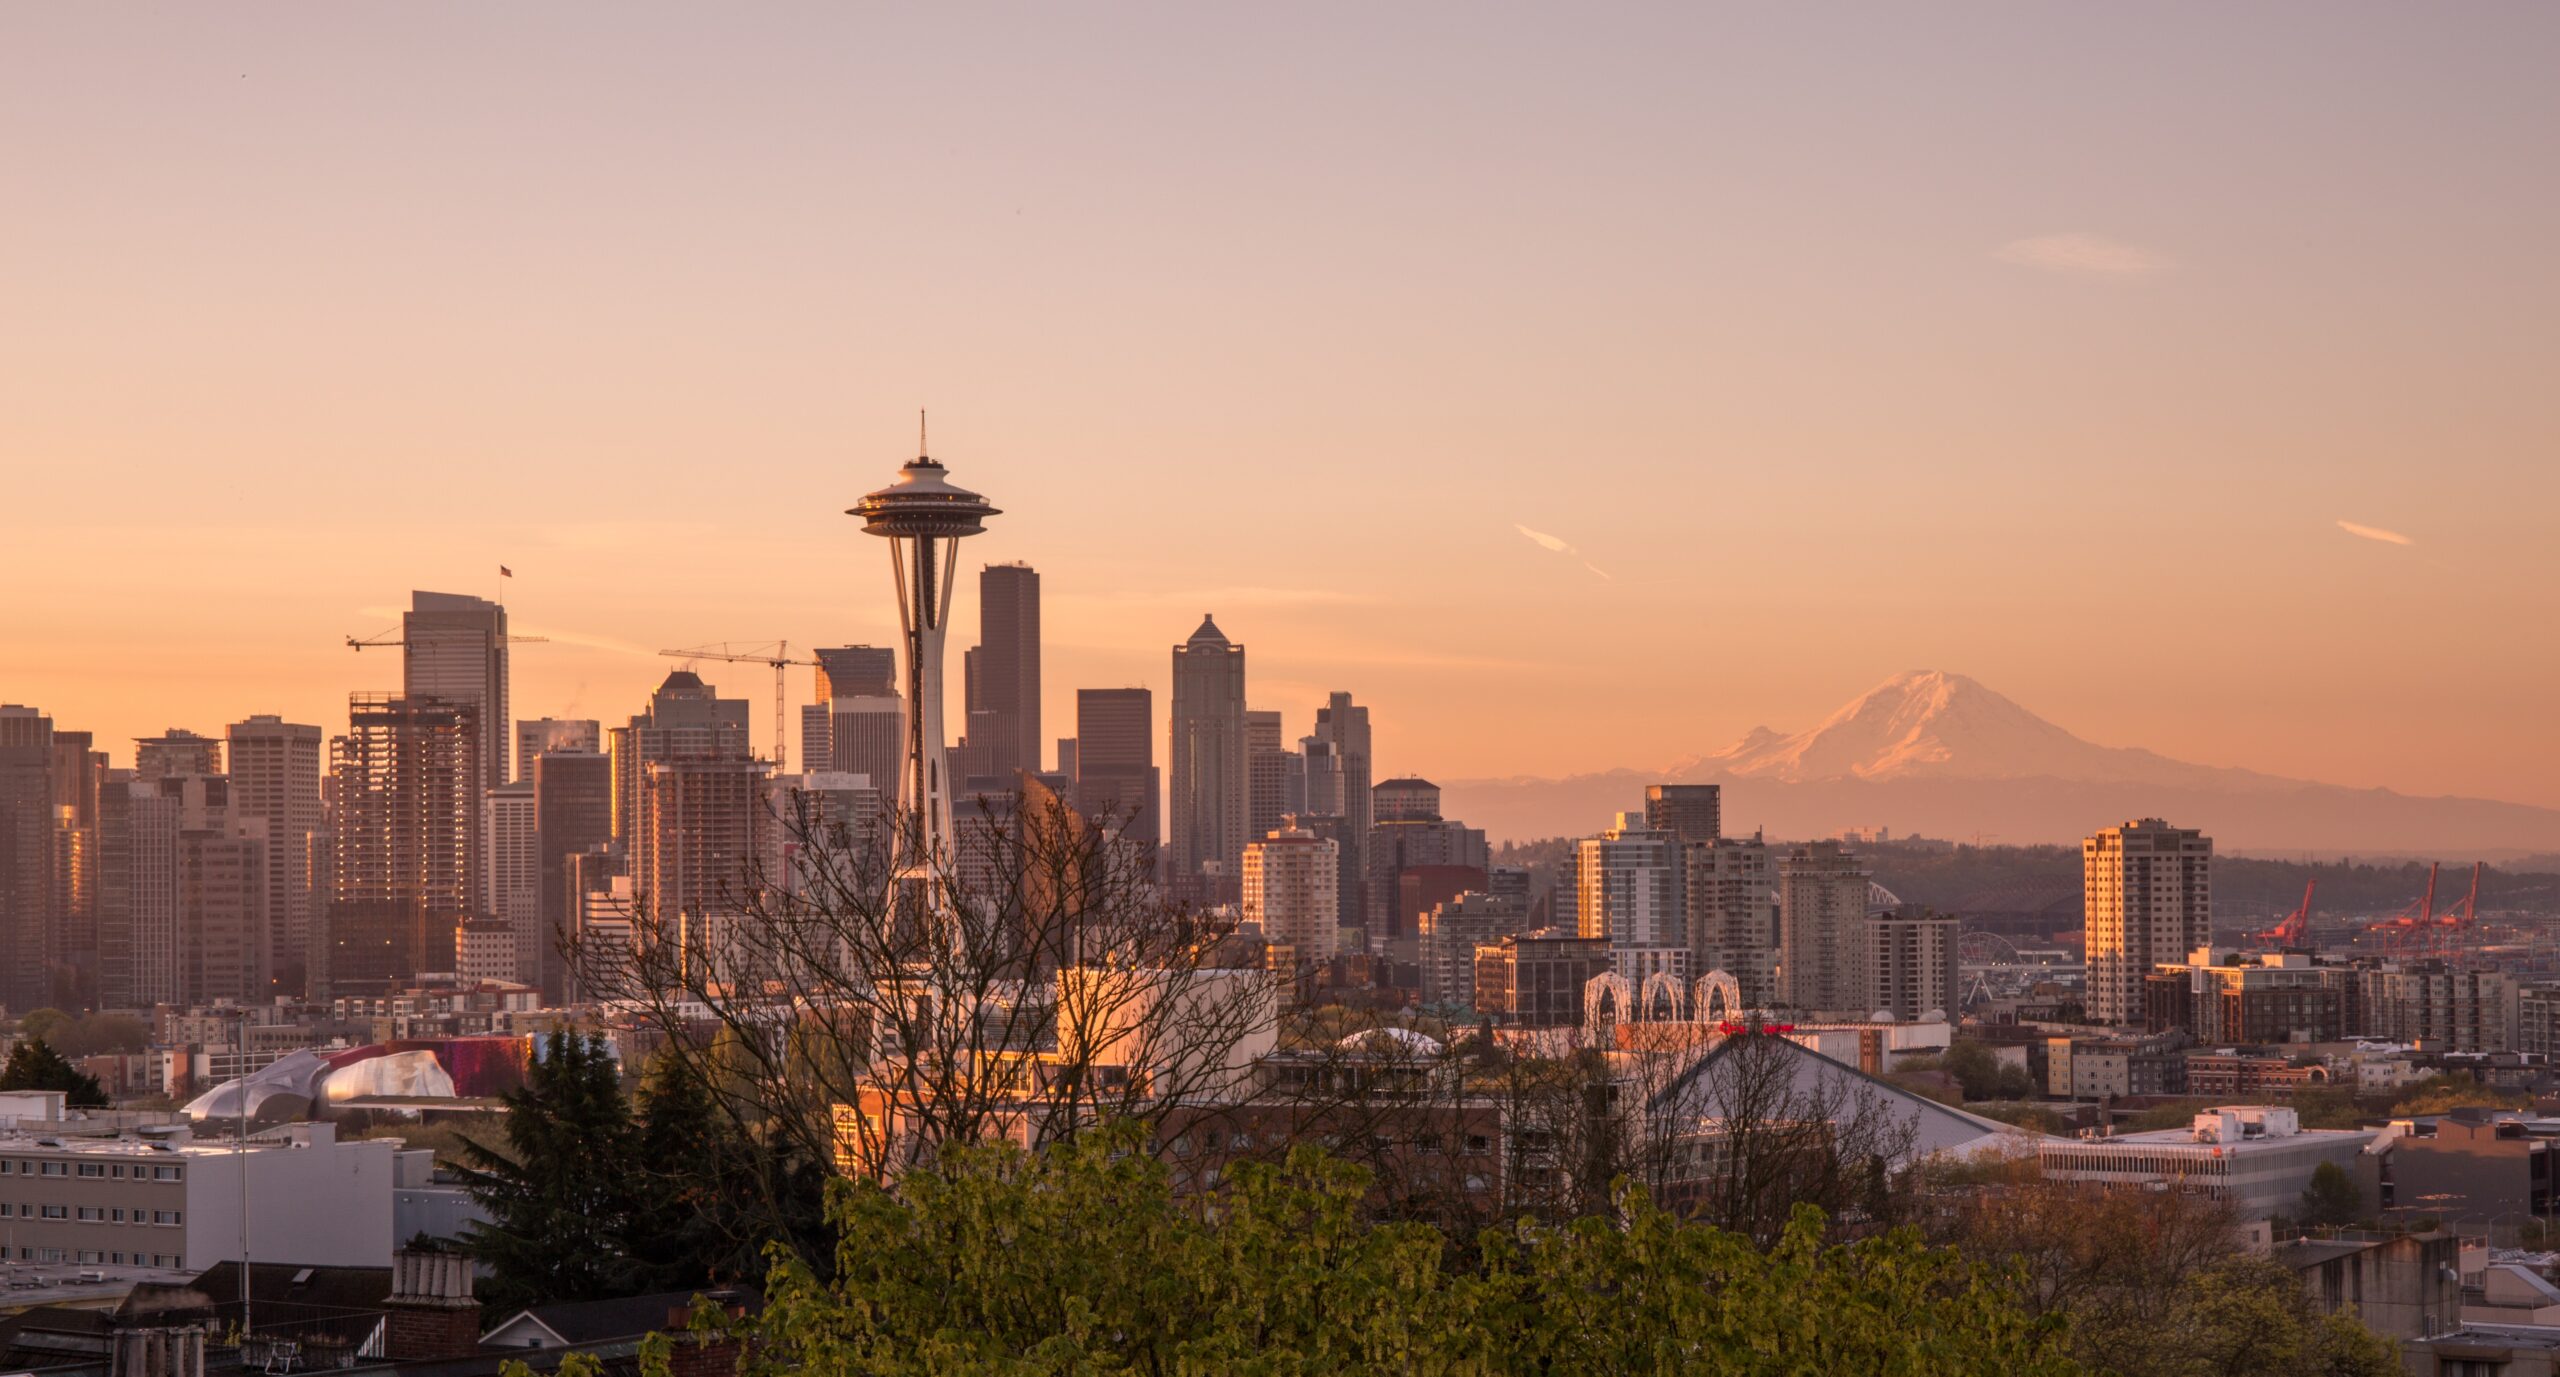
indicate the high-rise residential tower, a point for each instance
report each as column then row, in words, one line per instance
column 1689, row 812
column 1209, row 769
column 1733, row 914
column 275, row 778
column 404, row 859
column 924, row 517
column 1290, row 888
column 1628, row 889
column 2147, row 891
column 1822, row 907
column 859, row 682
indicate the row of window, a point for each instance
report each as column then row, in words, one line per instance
column 95, row 1171
column 90, row 1214
column 93, row 1255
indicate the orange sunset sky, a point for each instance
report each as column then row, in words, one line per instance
column 2185, row 372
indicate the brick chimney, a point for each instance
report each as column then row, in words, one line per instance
column 433, row 1313
column 710, row 1354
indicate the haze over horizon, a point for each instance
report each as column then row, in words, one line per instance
column 1578, row 396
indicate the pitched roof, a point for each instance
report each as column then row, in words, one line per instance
column 1938, row 1128
column 576, row 1323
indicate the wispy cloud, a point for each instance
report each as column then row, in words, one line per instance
column 2374, row 533
column 1556, row 544
column 2093, row 255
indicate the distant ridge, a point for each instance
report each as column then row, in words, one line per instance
column 1940, row 754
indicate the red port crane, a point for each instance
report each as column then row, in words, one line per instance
column 2295, row 930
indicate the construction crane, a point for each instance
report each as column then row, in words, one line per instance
column 774, row 653
column 2295, row 930
column 383, row 639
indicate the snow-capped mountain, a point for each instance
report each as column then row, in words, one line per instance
column 1939, row 754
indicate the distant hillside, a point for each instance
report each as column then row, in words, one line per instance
column 1938, row 754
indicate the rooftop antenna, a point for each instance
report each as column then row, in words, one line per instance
column 922, row 451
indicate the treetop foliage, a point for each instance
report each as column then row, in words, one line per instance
column 1081, row 1259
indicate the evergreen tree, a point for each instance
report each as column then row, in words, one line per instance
column 34, row 1065
column 564, row 1190
column 2332, row 1198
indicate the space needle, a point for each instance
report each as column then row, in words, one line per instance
column 923, row 516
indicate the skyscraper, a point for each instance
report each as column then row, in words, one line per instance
column 404, row 854
column 699, row 840
column 685, row 719
column 1004, row 685
column 1822, row 904
column 1276, row 778
column 1337, row 762
column 1116, row 780
column 275, row 778
column 77, row 775
column 923, row 516
column 538, row 734
column 1410, row 835
column 1209, row 780
column 29, row 943
column 1689, row 812
column 866, row 677
column 573, row 816
column 456, row 650
column 2147, row 889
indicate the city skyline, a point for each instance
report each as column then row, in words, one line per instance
column 1967, row 395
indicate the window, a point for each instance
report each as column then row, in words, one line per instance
column 92, row 1255
column 162, row 1173
column 91, row 1214
column 1477, row 1142
column 56, row 1212
column 118, row 1171
column 116, row 1215
column 164, row 1216
column 94, row 1170
column 57, row 1169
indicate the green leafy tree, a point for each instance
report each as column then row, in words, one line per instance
column 1080, row 1259
column 33, row 1065
column 564, row 1189
column 2332, row 1198
column 2255, row 1316
column 2440, row 1094
column 44, row 1025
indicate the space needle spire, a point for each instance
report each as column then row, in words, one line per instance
column 923, row 516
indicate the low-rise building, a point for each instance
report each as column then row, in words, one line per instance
column 2259, row 1158
column 162, row 1198
column 2408, row 1286
column 2473, row 1165
column 2083, row 1067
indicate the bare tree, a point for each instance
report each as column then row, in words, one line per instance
column 1029, row 984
